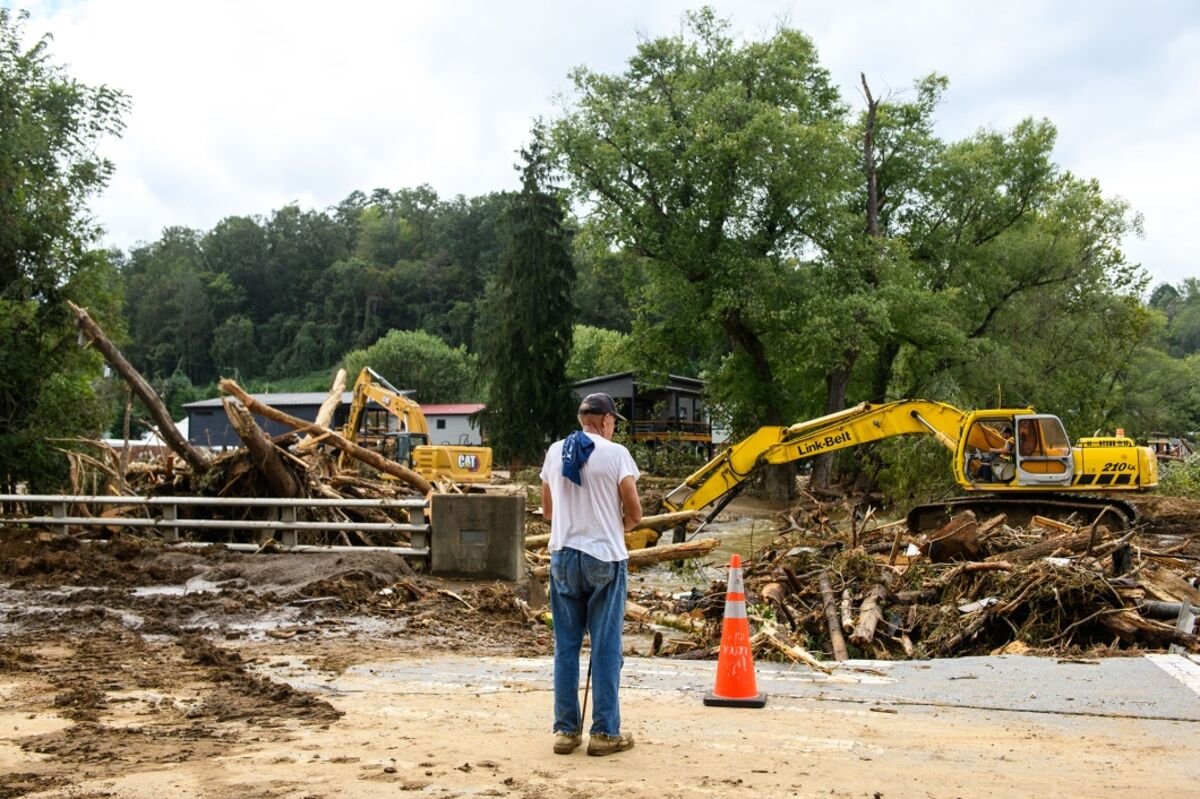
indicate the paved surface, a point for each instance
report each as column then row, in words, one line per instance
column 1156, row 687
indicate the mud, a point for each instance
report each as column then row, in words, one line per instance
column 126, row 655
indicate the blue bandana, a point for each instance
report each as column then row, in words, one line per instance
column 577, row 448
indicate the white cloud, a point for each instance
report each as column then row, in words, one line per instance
column 242, row 107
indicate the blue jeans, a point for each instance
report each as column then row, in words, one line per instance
column 587, row 594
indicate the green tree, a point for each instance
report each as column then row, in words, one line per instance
column 528, row 319
column 421, row 362
column 50, row 125
column 234, row 351
column 605, row 281
column 720, row 165
column 801, row 258
column 1181, row 306
column 171, row 320
column 596, row 351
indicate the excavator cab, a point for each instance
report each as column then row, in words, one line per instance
column 1043, row 453
column 988, row 450
column 406, row 442
column 1018, row 450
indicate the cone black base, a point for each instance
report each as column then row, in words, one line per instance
column 712, row 700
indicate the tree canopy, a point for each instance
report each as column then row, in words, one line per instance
column 421, row 362
column 50, row 125
column 802, row 255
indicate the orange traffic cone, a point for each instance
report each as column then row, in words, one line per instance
column 736, row 686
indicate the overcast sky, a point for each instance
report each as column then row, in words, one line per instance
column 242, row 107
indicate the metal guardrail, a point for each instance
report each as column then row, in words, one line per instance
column 170, row 524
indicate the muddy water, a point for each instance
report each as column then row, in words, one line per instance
column 743, row 535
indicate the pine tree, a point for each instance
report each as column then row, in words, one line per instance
column 526, row 335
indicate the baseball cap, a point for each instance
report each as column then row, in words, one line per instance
column 599, row 403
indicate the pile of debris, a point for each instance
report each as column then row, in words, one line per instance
column 297, row 464
column 973, row 587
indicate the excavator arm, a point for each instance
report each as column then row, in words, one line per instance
column 372, row 386
column 861, row 424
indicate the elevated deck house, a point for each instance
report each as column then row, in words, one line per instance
column 658, row 414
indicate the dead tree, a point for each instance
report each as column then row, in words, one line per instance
column 158, row 411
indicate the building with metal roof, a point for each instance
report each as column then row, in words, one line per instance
column 208, row 426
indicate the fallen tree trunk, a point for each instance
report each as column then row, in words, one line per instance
column 1074, row 542
column 688, row 549
column 1137, row 630
column 869, row 616
column 829, row 606
column 263, row 455
column 368, row 457
column 640, row 613
column 327, row 410
column 158, row 411
column 659, row 522
column 645, row 557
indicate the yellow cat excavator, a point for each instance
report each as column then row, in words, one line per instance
column 401, row 433
column 1010, row 460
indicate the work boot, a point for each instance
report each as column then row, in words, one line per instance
column 600, row 745
column 566, row 742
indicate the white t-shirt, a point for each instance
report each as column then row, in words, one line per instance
column 587, row 517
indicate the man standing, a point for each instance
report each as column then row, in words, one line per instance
column 589, row 496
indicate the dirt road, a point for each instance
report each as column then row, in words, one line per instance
column 174, row 723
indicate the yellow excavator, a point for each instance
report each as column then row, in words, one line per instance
column 1011, row 460
column 401, row 433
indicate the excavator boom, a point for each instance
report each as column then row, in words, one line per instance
column 1003, row 450
column 861, row 424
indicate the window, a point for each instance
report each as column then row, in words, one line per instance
column 441, row 424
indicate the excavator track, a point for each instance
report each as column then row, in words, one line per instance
column 1076, row 509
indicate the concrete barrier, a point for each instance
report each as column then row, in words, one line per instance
column 477, row 535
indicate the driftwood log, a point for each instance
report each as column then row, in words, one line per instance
column 662, row 521
column 149, row 397
column 869, row 615
column 776, row 595
column 263, row 454
column 363, row 454
column 1137, row 630
column 658, row 522
column 325, row 413
column 829, row 606
column 958, row 539
column 770, row 635
column 1072, row 542
column 640, row 613
column 847, row 611
column 644, row 557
